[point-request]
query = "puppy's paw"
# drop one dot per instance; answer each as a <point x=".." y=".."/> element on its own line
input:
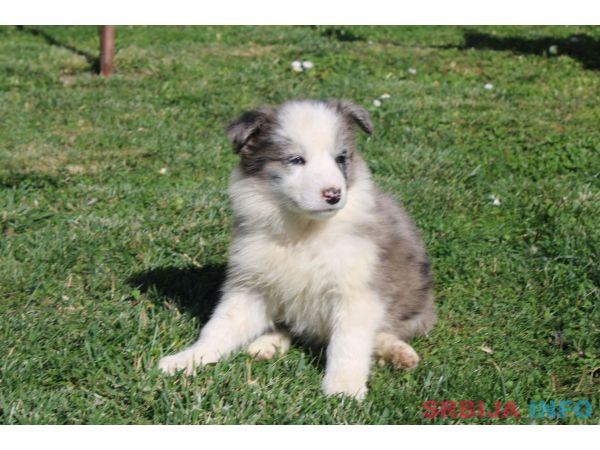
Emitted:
<point x="345" y="384"/>
<point x="187" y="360"/>
<point x="399" y="354"/>
<point x="267" y="346"/>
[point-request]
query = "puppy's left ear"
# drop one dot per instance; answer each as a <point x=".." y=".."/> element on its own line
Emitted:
<point x="248" y="125"/>
<point x="357" y="114"/>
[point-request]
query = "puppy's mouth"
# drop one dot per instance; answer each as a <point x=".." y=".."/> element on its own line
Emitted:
<point x="321" y="213"/>
<point x="316" y="213"/>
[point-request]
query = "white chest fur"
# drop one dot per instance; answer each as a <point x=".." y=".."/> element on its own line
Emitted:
<point x="304" y="282"/>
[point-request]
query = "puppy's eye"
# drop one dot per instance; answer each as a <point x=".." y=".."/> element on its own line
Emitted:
<point x="296" y="161"/>
<point x="341" y="159"/>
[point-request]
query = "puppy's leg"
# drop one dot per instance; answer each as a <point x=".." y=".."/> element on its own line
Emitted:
<point x="239" y="317"/>
<point x="388" y="348"/>
<point x="268" y="345"/>
<point x="351" y="345"/>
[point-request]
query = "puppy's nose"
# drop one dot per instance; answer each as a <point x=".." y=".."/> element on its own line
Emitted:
<point x="332" y="195"/>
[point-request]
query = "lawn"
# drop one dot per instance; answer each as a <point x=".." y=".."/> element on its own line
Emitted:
<point x="114" y="217"/>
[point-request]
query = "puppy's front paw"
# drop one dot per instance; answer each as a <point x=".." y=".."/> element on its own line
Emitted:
<point x="345" y="384"/>
<point x="187" y="360"/>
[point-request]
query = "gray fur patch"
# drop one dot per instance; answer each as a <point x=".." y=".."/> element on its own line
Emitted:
<point x="404" y="278"/>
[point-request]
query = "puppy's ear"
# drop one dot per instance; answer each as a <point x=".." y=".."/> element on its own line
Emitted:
<point x="357" y="114"/>
<point x="247" y="126"/>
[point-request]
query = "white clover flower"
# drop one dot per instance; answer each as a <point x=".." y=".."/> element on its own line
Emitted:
<point x="307" y="65"/>
<point x="412" y="70"/>
<point x="376" y="103"/>
<point x="297" y="66"/>
<point x="553" y="49"/>
<point x="495" y="200"/>
<point x="384" y="96"/>
<point x="488" y="86"/>
<point x="163" y="171"/>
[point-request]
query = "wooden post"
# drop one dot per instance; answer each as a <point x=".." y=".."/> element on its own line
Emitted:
<point x="107" y="49"/>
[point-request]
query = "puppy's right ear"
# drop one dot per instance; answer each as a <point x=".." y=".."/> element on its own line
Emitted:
<point x="357" y="115"/>
<point x="247" y="126"/>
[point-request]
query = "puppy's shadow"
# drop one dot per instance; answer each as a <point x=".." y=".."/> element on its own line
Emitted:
<point x="193" y="290"/>
<point x="197" y="291"/>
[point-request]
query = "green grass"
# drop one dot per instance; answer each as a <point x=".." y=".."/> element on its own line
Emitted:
<point x="105" y="264"/>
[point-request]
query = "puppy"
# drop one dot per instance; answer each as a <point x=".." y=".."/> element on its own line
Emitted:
<point x="317" y="252"/>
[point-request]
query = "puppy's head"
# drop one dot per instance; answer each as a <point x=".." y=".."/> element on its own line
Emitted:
<point x="304" y="152"/>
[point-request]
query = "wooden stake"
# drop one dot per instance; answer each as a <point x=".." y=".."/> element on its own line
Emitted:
<point x="107" y="49"/>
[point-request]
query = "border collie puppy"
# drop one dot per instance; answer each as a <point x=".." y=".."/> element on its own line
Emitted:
<point x="318" y="251"/>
